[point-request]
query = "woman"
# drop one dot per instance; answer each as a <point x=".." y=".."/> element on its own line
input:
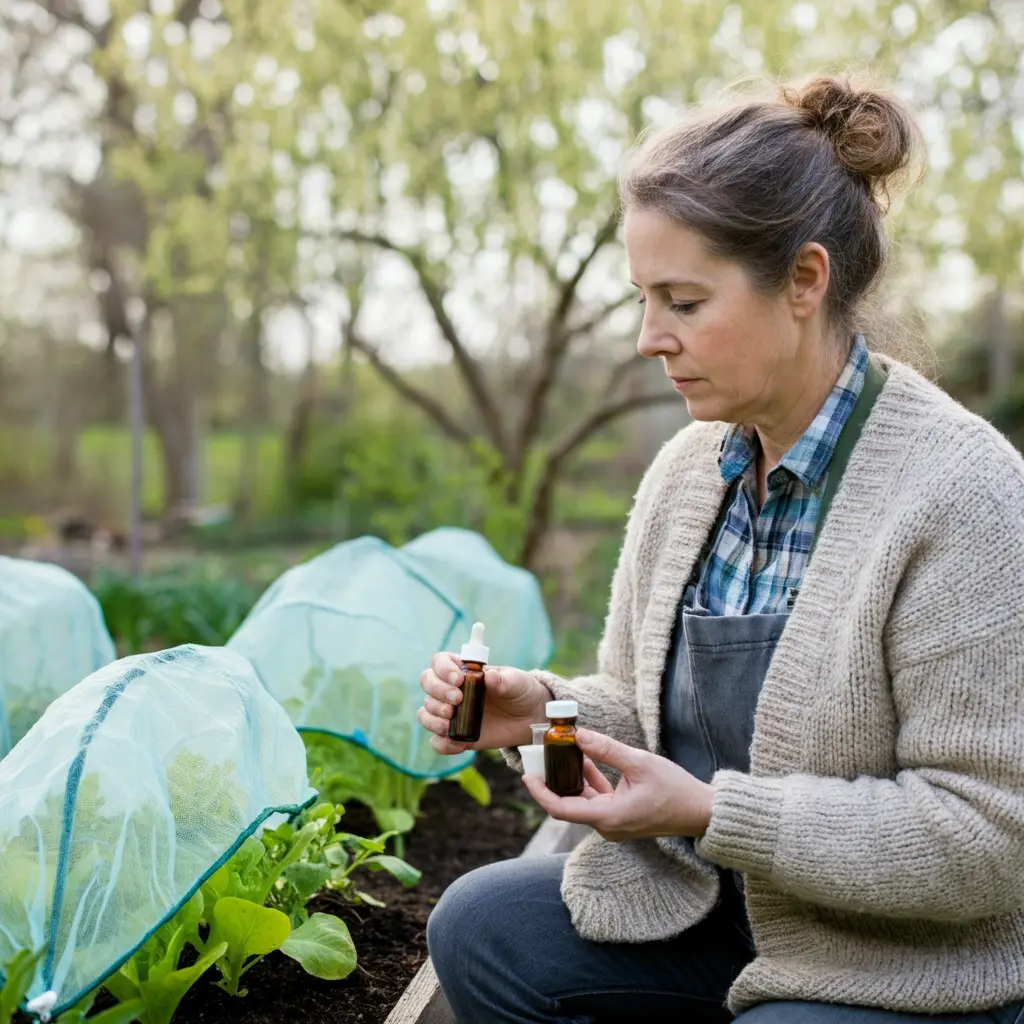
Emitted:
<point x="810" y="689"/>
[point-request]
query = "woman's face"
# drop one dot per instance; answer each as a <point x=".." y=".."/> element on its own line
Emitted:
<point x="730" y="349"/>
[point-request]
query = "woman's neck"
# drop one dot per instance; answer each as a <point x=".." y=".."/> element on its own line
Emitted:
<point x="792" y="413"/>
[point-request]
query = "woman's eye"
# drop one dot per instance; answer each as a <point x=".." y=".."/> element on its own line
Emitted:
<point x="684" y="307"/>
<point x="640" y="301"/>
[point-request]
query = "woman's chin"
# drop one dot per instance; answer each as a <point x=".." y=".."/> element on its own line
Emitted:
<point x="706" y="410"/>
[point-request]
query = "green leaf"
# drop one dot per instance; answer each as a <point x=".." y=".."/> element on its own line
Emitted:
<point x="124" y="985"/>
<point x="307" y="878"/>
<point x="324" y="948"/>
<point x="370" y="901"/>
<point x="18" y="974"/>
<point x="395" y="819"/>
<point x="123" y="1013"/>
<point x="405" y="873"/>
<point x="161" y="998"/>
<point x="475" y="785"/>
<point x="248" y="930"/>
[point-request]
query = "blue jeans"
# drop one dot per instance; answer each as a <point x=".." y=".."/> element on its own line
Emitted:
<point x="506" y="952"/>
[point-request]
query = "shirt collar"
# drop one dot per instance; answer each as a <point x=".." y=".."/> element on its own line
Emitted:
<point x="809" y="458"/>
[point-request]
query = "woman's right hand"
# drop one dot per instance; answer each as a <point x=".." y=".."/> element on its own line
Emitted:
<point x="515" y="699"/>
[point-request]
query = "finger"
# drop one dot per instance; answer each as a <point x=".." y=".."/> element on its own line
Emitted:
<point x="447" y="668"/>
<point x="433" y="685"/>
<point x="497" y="680"/>
<point x="605" y="750"/>
<point x="579" y="809"/>
<point x="596" y="778"/>
<point x="443" y="745"/>
<point x="432" y="723"/>
<point x="439" y="708"/>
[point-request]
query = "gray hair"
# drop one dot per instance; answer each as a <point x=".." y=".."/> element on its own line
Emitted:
<point x="761" y="179"/>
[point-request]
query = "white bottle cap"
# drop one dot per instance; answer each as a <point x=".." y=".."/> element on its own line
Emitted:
<point x="561" y="709"/>
<point x="533" y="759"/>
<point x="475" y="650"/>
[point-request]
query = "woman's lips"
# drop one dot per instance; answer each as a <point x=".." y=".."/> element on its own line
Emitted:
<point x="684" y="383"/>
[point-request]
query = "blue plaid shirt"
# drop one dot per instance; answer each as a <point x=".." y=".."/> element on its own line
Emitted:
<point x="759" y="557"/>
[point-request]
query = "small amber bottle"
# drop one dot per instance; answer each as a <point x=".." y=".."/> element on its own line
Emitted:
<point x="469" y="714"/>
<point x="563" y="760"/>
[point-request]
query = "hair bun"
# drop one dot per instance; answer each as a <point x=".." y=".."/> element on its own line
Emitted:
<point x="873" y="133"/>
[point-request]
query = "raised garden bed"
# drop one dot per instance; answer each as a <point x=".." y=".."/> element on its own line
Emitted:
<point x="453" y="836"/>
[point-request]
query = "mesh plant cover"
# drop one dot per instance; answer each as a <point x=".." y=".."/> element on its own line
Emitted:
<point x="341" y="641"/>
<point x="132" y="788"/>
<point x="51" y="636"/>
<point x="504" y="597"/>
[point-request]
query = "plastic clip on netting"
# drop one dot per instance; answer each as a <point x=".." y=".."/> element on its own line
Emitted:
<point x="133" y="788"/>
<point x="52" y="635"/>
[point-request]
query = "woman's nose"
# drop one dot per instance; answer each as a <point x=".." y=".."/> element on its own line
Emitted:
<point x="654" y="341"/>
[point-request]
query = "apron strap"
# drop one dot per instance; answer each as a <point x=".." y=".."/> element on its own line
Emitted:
<point x="874" y="381"/>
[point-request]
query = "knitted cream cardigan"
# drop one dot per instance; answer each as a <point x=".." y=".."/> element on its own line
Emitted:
<point x="881" y="827"/>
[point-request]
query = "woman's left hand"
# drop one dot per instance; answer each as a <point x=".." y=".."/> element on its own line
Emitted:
<point x="654" y="796"/>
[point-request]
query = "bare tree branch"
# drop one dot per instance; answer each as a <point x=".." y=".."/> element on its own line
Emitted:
<point x="540" y="512"/>
<point x="601" y="417"/>
<point x="556" y="344"/>
<point x="599" y="317"/>
<point x="422" y="401"/>
<point x="434" y="293"/>
<point x="619" y="373"/>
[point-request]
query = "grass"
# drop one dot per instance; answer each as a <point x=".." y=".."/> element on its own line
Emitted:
<point x="104" y="467"/>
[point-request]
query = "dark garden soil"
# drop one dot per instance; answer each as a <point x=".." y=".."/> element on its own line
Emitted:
<point x="453" y="836"/>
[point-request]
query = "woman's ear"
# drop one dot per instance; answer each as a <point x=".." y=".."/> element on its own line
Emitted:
<point x="809" y="282"/>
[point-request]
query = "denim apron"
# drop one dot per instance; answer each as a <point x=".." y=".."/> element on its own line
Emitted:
<point x="717" y="663"/>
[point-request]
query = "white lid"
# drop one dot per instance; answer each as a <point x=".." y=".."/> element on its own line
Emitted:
<point x="561" y="709"/>
<point x="474" y="650"/>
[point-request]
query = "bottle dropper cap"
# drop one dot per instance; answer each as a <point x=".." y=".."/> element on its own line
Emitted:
<point x="561" y="709"/>
<point x="475" y="650"/>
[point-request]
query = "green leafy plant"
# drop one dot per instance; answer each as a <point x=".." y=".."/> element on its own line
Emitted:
<point x="152" y="979"/>
<point x="18" y="974"/>
<point x="122" y="1013"/>
<point x="342" y="771"/>
<point x="254" y="904"/>
<point x="244" y="933"/>
<point x="168" y="609"/>
<point x="259" y="898"/>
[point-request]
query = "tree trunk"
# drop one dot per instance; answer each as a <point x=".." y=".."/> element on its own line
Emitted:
<point x="538" y="523"/>
<point x="254" y="416"/>
<point x="1001" y="347"/>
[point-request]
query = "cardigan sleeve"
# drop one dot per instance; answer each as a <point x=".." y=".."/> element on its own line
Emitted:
<point x="943" y="839"/>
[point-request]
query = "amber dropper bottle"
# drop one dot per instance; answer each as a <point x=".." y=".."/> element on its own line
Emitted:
<point x="563" y="760"/>
<point x="469" y="714"/>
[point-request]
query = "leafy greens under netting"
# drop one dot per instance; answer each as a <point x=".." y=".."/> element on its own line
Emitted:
<point x="52" y="635"/>
<point x="129" y="793"/>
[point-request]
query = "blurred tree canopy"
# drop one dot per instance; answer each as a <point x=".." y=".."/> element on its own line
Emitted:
<point x="439" y="177"/>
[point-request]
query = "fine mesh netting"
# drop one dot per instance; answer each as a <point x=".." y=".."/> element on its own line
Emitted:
<point x="51" y="635"/>
<point x="129" y="791"/>
<point x="341" y="641"/>
<point x="504" y="597"/>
